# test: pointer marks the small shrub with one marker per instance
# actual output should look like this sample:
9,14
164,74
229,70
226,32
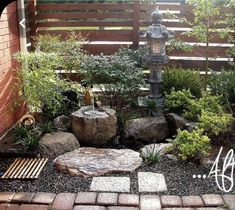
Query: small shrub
152,156
224,84
117,77
215,124
178,101
46,127
182,79
207,102
190,146
135,56
27,136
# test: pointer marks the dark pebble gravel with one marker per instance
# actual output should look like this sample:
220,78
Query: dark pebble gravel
179,179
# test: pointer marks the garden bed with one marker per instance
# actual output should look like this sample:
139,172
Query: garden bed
179,179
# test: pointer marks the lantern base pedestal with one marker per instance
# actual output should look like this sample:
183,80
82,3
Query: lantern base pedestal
159,111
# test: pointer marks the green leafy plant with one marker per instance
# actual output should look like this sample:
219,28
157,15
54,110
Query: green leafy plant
70,50
42,87
215,124
27,136
223,83
117,77
180,79
190,146
46,127
207,102
178,101
152,156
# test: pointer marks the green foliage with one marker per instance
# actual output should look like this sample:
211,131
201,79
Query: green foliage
46,127
178,101
117,77
177,44
207,102
69,50
153,157
179,79
224,84
215,124
189,146
136,56
27,136
41,86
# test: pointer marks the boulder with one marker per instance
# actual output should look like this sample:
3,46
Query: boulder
149,129
57,143
89,161
62,123
94,129
154,149
175,122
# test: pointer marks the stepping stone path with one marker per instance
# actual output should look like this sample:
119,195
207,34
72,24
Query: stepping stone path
89,161
110,184
148,182
151,182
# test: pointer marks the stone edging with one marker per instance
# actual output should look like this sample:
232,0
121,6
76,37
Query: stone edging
113,201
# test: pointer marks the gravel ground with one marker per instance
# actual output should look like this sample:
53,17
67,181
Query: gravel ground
179,179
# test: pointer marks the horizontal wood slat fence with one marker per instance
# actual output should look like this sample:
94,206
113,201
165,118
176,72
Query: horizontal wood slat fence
109,26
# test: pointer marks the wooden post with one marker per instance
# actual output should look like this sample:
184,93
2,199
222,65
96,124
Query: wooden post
136,23
32,20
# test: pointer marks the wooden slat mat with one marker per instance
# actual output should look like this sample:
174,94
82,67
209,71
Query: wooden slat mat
25,168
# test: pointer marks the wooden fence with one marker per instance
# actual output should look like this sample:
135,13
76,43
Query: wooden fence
109,26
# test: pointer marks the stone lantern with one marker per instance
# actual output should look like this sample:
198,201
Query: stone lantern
157,35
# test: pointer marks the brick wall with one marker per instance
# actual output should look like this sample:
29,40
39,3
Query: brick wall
11,106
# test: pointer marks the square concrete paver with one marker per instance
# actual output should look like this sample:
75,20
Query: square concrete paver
122,208
109,199
33,207
43,198
150,202
177,209
86,198
110,184
151,182
213,200
128,200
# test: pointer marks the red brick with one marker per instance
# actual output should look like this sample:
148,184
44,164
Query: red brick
86,198
107,198
171,201
212,200
23,197
43,198
8,206
33,207
229,200
64,201
192,201
6,197
85,207
128,200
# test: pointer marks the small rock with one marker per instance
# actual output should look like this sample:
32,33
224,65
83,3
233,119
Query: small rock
154,149
190,126
57,143
62,123
175,122
149,129
89,161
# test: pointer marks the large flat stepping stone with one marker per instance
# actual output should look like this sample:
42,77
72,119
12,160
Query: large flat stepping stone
110,184
151,182
89,161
